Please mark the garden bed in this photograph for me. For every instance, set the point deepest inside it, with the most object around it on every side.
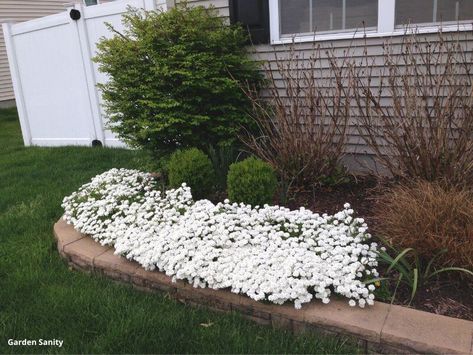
(266, 252)
(276, 265)
(331, 254)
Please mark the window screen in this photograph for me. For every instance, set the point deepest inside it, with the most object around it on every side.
(432, 11)
(303, 16)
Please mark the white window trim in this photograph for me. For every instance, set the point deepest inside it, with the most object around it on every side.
(386, 27)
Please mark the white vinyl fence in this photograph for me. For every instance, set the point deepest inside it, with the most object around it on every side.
(54, 78)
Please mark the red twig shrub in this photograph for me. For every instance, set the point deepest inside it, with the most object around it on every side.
(415, 107)
(429, 217)
(302, 115)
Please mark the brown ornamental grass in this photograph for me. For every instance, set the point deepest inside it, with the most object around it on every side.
(429, 217)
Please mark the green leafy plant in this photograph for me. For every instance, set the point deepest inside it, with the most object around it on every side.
(194, 168)
(382, 291)
(251, 181)
(412, 271)
(222, 157)
(175, 78)
(339, 176)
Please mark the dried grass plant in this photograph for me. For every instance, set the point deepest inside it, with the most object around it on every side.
(429, 217)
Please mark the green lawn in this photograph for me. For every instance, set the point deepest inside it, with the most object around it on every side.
(40, 298)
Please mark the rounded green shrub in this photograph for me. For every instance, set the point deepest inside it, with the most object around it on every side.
(251, 181)
(194, 168)
(175, 79)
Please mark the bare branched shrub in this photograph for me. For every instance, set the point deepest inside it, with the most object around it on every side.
(429, 217)
(303, 115)
(416, 107)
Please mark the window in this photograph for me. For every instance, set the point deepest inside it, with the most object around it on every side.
(306, 20)
(319, 16)
(253, 15)
(90, 2)
(432, 11)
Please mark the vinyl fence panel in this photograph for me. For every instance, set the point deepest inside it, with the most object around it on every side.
(54, 78)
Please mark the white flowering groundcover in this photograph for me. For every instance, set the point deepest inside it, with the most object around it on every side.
(268, 253)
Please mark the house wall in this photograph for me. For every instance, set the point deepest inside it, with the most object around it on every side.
(19, 11)
(220, 5)
(359, 154)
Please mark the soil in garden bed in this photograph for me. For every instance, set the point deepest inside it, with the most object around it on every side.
(449, 295)
(360, 194)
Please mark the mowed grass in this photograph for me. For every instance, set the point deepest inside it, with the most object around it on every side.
(41, 298)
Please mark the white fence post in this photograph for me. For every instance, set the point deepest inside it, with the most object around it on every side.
(89, 72)
(17, 88)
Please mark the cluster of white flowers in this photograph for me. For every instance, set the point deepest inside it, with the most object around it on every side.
(268, 253)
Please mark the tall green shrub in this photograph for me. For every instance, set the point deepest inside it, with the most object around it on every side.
(194, 168)
(251, 181)
(175, 79)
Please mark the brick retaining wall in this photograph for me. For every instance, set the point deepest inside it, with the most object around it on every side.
(382, 327)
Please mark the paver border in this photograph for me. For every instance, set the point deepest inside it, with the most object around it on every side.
(381, 328)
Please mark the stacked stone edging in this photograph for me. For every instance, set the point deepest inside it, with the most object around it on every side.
(382, 327)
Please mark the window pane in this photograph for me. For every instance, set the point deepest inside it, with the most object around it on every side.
(294, 16)
(430, 11)
(456, 10)
(327, 15)
(361, 13)
(414, 11)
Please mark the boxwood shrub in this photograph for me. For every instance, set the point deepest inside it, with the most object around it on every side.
(251, 181)
(194, 168)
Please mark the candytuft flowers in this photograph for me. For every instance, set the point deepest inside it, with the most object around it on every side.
(268, 253)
